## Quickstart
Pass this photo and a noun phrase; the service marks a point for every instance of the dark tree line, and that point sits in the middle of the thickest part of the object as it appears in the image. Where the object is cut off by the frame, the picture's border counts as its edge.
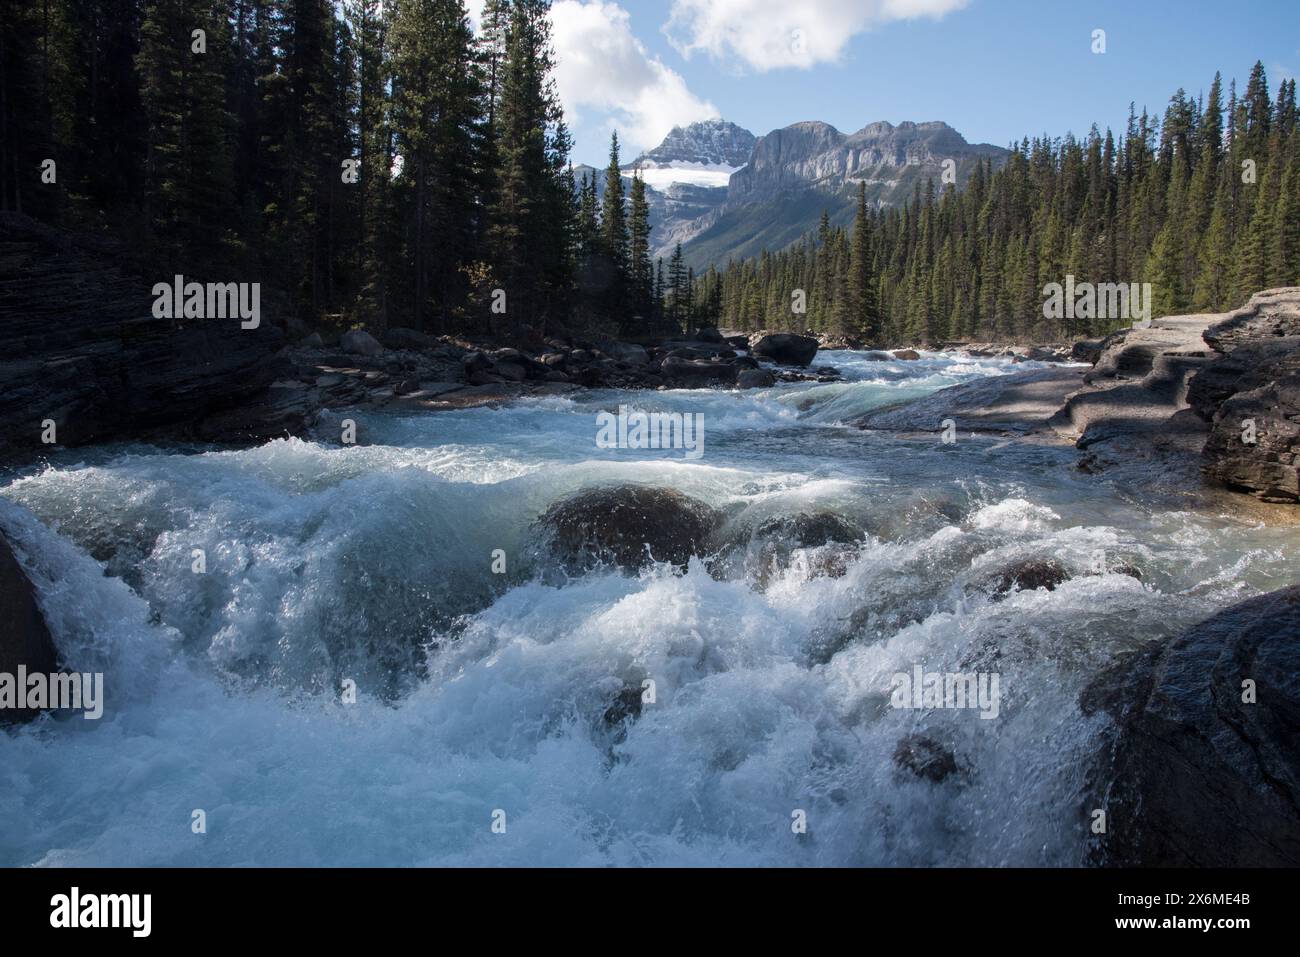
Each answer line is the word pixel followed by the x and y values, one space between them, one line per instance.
pixel 1204 204
pixel 379 163
pixel 374 163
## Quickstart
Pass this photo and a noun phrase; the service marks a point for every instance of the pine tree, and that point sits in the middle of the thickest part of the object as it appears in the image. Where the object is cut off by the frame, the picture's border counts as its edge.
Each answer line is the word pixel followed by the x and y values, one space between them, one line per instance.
pixel 613 220
pixel 532 214
pixel 640 276
pixel 862 280
pixel 187 183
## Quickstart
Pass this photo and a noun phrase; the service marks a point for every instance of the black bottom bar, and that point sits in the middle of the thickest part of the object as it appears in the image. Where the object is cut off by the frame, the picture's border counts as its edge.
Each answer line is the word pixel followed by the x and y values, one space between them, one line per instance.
pixel 948 906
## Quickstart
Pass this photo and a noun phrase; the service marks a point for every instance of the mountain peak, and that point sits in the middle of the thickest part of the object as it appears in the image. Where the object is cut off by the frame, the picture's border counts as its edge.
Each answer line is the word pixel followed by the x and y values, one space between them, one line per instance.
pixel 707 143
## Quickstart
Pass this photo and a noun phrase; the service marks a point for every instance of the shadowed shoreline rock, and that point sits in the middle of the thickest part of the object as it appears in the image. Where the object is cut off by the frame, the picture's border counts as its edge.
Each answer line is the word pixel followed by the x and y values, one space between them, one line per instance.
pixel 24 637
pixel 1202 768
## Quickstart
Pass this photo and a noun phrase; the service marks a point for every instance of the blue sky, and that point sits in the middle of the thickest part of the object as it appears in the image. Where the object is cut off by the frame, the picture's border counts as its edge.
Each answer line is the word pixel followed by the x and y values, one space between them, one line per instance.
pixel 995 69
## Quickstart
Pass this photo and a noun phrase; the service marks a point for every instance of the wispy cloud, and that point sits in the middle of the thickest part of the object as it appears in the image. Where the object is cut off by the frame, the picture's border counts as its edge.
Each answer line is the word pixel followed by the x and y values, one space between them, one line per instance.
pixel 773 34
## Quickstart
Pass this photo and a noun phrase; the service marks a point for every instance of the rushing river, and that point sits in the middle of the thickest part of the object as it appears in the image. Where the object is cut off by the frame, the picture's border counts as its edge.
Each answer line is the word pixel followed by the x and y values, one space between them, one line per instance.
pixel 480 692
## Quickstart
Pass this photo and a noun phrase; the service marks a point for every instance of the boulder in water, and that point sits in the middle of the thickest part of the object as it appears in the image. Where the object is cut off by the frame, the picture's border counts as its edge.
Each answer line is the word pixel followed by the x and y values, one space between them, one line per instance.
pixel 908 355
pixel 1029 575
pixel 787 349
pixel 1204 770
pixel 926 758
pixel 697 374
pixel 769 546
pixel 755 379
pixel 24 638
pixel 629 526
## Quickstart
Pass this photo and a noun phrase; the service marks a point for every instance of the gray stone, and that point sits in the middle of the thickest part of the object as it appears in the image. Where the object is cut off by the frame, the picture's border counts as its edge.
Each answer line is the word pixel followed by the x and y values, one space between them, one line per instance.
pixel 628 526
pixel 787 349
pixel 361 343
pixel 1195 776
pixel 755 379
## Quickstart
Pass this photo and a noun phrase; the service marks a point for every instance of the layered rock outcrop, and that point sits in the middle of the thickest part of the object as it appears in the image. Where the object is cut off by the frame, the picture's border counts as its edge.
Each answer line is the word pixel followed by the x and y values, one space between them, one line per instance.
pixel 84 351
pixel 1250 396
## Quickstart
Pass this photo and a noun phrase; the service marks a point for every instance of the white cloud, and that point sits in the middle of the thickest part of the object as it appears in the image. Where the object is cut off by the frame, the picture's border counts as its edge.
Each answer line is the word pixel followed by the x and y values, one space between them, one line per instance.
pixel 770 34
pixel 603 69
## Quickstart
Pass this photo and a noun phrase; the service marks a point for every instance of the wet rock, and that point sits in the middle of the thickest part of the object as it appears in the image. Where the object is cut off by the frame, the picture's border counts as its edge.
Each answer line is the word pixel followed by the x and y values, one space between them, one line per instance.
pixel 313 341
pixel 1195 776
pixel 628 526
pixel 926 758
pixel 695 373
pixel 755 379
pixel 758 552
pixel 1086 350
pixel 361 343
pixel 1023 402
pixel 1029 575
pixel 787 349
pixel 626 706
pixel 24 637
pixel 909 355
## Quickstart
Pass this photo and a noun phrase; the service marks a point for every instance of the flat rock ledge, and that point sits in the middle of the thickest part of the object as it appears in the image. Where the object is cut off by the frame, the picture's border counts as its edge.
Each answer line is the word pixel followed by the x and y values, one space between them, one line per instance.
pixel 1020 403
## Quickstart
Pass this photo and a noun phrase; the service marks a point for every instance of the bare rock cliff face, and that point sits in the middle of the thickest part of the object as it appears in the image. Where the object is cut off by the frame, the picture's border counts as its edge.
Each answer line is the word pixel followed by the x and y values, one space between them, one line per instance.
pixel 83 348
pixel 1250 395
pixel 817 155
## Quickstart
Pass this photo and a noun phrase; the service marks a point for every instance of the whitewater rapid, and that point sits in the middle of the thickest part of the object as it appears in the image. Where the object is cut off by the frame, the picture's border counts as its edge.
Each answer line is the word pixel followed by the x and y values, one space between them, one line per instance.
pixel 481 693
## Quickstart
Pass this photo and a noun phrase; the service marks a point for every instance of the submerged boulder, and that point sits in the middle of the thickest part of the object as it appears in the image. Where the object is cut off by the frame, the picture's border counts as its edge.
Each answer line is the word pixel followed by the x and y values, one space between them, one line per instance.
pixel 1204 764
pixel 24 637
pixel 827 540
pixel 787 348
pixel 1029 575
pixel 629 526
pixel 927 759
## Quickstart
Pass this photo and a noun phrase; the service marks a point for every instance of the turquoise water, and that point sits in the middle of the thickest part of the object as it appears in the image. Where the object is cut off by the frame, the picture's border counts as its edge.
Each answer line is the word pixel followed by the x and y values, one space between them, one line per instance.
pixel 481 693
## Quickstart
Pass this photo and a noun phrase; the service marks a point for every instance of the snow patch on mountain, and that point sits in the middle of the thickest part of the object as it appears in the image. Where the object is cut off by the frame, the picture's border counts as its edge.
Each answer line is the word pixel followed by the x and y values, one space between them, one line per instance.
pixel 663 175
